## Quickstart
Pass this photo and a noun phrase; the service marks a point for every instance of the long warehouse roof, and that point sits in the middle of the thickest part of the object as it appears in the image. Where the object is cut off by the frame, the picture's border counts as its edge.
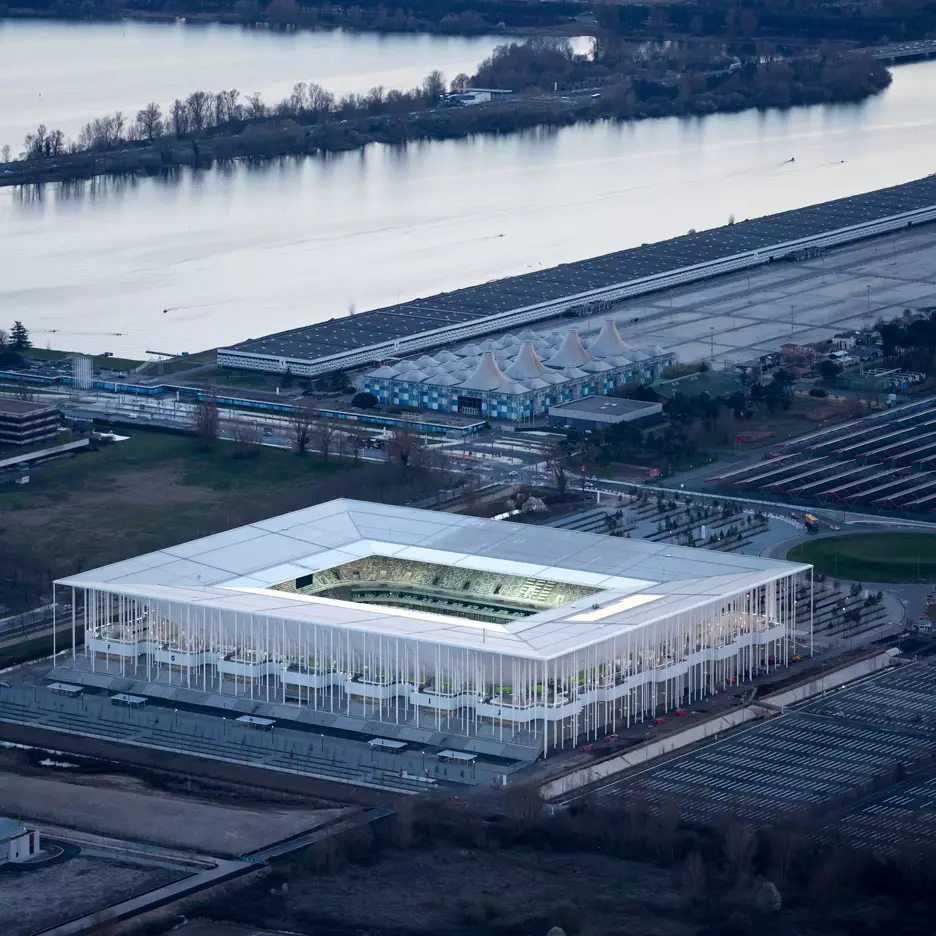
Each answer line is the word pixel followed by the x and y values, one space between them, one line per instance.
pixel 401 321
pixel 639 582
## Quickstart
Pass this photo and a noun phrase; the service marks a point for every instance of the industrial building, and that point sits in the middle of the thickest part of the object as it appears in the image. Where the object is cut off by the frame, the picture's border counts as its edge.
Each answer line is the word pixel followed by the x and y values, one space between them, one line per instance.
pixel 23 422
pixel 587 287
pixel 600 412
pixel 517 377
pixel 391 619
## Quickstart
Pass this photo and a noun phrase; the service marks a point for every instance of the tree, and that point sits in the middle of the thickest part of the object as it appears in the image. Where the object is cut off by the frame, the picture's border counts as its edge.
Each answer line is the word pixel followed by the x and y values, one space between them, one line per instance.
pixel 6 154
pixel 829 370
pixel 460 82
pixel 247 438
pixel 324 434
pixel 365 400
pixel 301 424
pixel 179 116
pixel 149 121
pixel 555 458
pixel 198 104
pixel 433 86
pixel 206 422
pixel 4 338
pixel 19 337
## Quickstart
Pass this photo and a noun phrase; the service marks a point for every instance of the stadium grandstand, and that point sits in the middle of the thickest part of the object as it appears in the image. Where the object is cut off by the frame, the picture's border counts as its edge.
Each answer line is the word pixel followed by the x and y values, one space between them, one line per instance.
pixel 884 462
pixel 415 619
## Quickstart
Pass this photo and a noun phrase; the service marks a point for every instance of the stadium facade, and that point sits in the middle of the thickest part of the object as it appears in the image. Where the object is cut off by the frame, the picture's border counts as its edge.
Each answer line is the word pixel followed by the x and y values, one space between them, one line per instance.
pixel 362 614
pixel 517 377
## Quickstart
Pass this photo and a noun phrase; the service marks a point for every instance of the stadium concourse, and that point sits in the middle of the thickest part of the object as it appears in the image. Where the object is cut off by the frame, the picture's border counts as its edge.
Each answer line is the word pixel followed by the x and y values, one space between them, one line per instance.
pixel 432 627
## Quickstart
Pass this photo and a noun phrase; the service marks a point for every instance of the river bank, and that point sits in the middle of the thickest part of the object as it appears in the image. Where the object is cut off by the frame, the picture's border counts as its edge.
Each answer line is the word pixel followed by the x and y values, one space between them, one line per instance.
pixel 313 129
pixel 561 18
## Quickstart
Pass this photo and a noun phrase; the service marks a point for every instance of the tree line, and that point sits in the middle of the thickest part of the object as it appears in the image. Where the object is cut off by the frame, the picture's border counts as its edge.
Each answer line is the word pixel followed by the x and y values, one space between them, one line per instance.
pixel 207 126
pixel 205 111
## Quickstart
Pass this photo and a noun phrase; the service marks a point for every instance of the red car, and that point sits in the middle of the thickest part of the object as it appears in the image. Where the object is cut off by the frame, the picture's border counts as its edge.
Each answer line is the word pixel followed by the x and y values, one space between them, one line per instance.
pixel 586 749
pixel 680 711
pixel 659 721
pixel 609 739
pixel 457 799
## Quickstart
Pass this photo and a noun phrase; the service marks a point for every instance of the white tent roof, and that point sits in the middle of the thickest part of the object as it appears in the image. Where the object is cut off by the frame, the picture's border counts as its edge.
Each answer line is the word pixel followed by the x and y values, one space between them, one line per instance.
pixel 526 364
pixel 384 372
pixel 571 352
pixel 641 583
pixel 487 375
pixel 608 342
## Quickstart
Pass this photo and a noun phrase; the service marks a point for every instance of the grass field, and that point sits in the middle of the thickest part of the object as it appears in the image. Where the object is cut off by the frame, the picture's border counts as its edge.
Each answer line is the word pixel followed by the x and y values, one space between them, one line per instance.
pixel 148 492
pixel 157 489
pixel 872 557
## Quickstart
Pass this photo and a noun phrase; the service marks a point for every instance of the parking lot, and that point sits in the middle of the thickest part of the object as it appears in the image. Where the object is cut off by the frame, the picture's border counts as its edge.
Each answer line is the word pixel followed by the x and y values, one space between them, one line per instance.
pixel 811 756
pixel 904 699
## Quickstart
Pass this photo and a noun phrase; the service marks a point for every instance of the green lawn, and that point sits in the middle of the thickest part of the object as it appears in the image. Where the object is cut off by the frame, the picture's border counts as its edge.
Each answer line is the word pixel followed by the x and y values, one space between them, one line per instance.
pixel 872 557
pixel 148 492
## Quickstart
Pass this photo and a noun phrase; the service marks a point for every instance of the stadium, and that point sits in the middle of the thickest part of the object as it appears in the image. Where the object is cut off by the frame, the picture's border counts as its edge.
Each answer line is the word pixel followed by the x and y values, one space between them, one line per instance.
pixel 409 623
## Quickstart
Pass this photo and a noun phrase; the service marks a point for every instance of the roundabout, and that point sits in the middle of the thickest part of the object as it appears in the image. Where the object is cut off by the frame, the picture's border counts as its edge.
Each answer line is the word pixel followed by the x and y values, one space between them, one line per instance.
pixel 892 557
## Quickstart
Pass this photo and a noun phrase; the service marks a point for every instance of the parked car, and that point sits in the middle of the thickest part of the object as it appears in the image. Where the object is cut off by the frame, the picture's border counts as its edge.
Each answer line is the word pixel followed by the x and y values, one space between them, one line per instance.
pixel 611 738
pixel 659 721
pixel 681 711
pixel 586 749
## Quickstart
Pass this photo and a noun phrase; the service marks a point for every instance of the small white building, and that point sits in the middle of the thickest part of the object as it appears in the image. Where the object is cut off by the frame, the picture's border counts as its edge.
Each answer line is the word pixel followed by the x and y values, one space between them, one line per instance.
pixel 17 843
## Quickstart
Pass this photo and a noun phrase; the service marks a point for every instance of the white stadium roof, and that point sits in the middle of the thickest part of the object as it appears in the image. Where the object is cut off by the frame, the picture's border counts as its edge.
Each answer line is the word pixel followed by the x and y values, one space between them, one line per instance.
pixel 641 582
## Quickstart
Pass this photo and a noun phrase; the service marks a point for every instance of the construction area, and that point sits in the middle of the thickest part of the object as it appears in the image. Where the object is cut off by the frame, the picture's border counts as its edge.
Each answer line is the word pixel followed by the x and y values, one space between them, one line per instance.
pixel 884 462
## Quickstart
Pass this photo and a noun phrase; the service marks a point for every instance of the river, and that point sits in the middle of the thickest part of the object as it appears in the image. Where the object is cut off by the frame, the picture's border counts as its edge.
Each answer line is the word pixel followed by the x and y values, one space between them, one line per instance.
pixel 238 252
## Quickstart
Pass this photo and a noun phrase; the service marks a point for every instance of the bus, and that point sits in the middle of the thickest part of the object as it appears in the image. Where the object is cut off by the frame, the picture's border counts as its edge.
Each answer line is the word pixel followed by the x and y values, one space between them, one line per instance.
pixel 812 523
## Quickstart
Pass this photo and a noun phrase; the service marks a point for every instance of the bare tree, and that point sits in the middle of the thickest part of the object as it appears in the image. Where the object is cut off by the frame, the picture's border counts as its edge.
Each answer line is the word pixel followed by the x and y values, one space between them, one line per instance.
pixel 6 154
pixel 324 436
pixel 179 116
pixel 206 422
pixel 693 876
pixel 255 106
pixel 4 338
pixel 149 121
pixel 351 442
pixel 198 104
pixel 739 847
pixel 433 86
pixel 460 82
pixel 555 465
pixel 246 436
pixel 405 446
pixel 301 425
pixel 119 123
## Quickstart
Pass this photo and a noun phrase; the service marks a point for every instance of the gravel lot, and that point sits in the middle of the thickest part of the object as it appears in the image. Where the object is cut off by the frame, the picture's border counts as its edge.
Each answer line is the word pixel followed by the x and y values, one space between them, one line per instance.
pixel 154 816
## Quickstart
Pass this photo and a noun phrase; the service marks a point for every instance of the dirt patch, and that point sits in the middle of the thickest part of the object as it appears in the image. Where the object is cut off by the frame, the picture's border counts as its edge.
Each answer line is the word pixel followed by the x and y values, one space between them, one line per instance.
pixel 34 900
pixel 155 816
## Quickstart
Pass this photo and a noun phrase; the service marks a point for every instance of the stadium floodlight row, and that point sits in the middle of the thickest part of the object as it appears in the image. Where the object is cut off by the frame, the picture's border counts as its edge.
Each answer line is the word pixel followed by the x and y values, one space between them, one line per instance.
pixel 480 628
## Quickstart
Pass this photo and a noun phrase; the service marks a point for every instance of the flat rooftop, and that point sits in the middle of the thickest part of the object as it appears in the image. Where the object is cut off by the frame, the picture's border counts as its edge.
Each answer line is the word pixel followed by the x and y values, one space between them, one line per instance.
pixel 23 407
pixel 504 295
pixel 604 406
pixel 639 582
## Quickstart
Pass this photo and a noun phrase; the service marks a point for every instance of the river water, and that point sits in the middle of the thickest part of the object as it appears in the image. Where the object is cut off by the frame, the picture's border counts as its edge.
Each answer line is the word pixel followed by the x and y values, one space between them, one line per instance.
pixel 239 252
